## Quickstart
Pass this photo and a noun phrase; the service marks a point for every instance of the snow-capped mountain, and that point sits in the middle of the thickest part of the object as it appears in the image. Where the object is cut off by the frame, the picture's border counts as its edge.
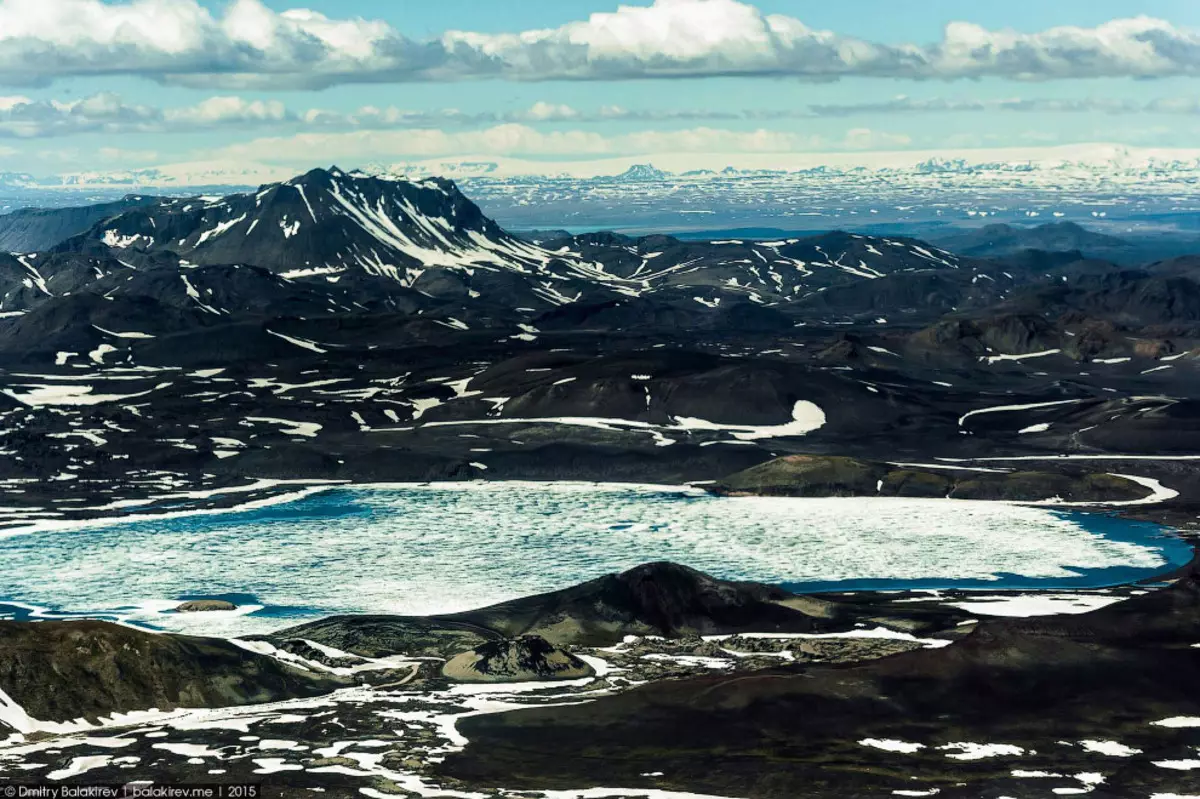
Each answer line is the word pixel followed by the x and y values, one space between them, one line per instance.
pixel 640 173
pixel 327 222
pixel 349 246
pixel 425 235
pixel 918 193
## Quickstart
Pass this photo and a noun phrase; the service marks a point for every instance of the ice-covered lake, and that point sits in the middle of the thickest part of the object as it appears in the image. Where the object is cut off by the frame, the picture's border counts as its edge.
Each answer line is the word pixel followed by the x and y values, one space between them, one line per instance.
pixel 441 548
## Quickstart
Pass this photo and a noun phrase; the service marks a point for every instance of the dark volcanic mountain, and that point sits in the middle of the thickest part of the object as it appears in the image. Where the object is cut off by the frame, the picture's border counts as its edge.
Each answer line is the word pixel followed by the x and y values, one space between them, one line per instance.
pixel 1000 240
pixel 326 222
pixel 331 244
pixel 331 226
pixel 35 229
pixel 659 599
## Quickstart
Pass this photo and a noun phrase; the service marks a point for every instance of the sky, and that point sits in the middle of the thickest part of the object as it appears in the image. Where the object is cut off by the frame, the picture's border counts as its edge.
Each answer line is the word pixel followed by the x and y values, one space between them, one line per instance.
pixel 102 85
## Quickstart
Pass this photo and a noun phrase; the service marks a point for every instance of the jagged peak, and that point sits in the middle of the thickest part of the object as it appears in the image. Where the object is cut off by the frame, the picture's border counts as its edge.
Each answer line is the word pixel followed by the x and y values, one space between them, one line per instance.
pixel 328 176
pixel 642 172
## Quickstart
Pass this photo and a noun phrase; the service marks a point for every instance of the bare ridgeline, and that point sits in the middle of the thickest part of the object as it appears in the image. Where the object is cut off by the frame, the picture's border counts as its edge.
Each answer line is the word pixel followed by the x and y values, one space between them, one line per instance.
pixel 173 355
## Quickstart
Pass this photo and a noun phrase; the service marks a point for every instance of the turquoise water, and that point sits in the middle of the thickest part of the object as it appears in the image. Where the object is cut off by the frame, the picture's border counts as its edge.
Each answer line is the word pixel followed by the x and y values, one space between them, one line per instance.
pixel 445 548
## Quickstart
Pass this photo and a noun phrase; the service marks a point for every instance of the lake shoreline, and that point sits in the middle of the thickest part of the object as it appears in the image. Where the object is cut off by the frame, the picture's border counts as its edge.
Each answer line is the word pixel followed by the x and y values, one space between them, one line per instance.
pixel 153 610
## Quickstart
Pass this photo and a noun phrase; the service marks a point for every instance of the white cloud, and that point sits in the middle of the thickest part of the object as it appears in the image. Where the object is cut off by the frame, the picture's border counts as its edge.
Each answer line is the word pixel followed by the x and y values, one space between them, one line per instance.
pixel 181 41
pixel 21 117
pixel 867 139
pixel 521 140
pixel 415 142
pixel 228 110
pixel 111 155
pixel 542 112
pixel 250 45
pixel 902 104
pixel 25 118
pixel 369 117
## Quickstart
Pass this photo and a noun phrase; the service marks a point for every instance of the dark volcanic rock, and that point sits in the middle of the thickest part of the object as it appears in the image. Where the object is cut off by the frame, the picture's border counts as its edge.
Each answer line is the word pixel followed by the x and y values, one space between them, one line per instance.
pixel 380 636
pixel 62 670
pixel 1004 240
pixel 1037 684
pixel 1162 294
pixel 654 599
pixel 807 475
pixel 524 659
pixel 915 296
pixel 203 605
pixel 837 476
pixel 1011 334
pixel 663 599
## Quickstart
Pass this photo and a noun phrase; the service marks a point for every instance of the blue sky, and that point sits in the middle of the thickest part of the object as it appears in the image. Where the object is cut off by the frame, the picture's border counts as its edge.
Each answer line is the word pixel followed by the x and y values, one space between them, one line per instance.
pixel 604 89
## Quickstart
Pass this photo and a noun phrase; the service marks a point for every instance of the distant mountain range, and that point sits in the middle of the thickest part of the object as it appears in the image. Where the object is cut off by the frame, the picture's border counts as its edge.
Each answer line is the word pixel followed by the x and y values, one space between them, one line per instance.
pixel 330 242
pixel 344 325
pixel 1128 193
pixel 1114 163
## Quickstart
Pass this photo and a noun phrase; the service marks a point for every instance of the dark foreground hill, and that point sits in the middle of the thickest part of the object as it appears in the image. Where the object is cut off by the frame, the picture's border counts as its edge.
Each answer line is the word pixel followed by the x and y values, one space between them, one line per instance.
pixel 1015 707
pixel 66 670
pixel 655 599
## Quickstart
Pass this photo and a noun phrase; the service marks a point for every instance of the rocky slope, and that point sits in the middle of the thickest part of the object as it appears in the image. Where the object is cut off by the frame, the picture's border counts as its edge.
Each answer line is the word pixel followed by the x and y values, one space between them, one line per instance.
pixel 838 476
pixel 999 240
pixel 35 229
pixel 67 670
pixel 656 599
pixel 1017 708
pixel 528 658
pixel 60 671
pixel 389 730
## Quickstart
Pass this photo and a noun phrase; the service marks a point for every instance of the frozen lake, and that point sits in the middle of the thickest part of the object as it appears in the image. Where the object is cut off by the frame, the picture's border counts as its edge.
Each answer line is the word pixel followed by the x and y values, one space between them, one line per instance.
pixel 442 548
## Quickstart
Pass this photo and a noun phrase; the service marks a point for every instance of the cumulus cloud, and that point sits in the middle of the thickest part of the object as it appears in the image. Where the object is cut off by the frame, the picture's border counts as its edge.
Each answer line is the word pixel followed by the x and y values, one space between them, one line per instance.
pixel 180 41
pixel 251 45
pixel 21 117
pixel 228 111
pixel 543 112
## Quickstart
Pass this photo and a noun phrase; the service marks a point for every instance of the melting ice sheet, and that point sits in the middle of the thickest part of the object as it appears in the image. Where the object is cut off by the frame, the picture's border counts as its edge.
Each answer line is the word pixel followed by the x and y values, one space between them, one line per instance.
pixel 450 547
